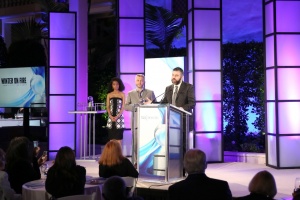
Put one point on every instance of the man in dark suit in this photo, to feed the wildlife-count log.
(180, 94)
(197, 185)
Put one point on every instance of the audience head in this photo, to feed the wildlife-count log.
(194, 161)
(114, 188)
(119, 82)
(263, 183)
(65, 158)
(2, 160)
(112, 154)
(19, 149)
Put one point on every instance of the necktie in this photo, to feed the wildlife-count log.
(174, 95)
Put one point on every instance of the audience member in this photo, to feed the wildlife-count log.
(65, 178)
(6, 192)
(296, 194)
(114, 188)
(113, 163)
(19, 163)
(261, 187)
(197, 185)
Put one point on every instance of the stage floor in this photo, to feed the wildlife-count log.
(238, 175)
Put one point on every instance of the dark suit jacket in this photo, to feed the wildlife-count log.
(185, 96)
(199, 186)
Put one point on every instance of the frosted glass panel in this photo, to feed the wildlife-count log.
(288, 50)
(271, 117)
(272, 154)
(289, 117)
(270, 79)
(190, 27)
(62, 81)
(287, 16)
(62, 25)
(132, 65)
(132, 31)
(289, 151)
(61, 135)
(190, 4)
(270, 51)
(191, 79)
(269, 21)
(62, 53)
(127, 143)
(207, 4)
(190, 55)
(288, 84)
(208, 85)
(207, 55)
(59, 108)
(211, 144)
(133, 9)
(207, 24)
(208, 117)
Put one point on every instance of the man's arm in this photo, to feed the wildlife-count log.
(190, 99)
(128, 104)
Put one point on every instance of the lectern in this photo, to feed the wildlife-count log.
(158, 131)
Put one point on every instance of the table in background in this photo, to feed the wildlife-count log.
(35, 190)
(87, 116)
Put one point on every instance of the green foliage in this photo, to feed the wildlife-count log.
(243, 86)
(162, 27)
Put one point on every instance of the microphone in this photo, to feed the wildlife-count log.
(154, 100)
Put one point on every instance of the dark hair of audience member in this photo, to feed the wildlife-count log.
(18, 149)
(112, 154)
(263, 183)
(114, 188)
(194, 161)
(2, 159)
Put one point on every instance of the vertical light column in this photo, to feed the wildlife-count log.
(62, 81)
(131, 52)
(282, 62)
(205, 73)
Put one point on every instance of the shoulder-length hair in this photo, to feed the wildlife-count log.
(112, 154)
(121, 85)
(18, 149)
(263, 183)
(65, 158)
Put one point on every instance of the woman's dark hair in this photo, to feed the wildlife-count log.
(65, 158)
(121, 85)
(18, 149)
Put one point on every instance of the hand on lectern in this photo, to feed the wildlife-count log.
(147, 101)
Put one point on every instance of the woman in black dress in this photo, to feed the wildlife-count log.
(115, 102)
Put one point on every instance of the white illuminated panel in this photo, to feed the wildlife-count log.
(62, 53)
(205, 18)
(270, 51)
(288, 50)
(63, 80)
(131, 59)
(207, 4)
(272, 150)
(62, 25)
(270, 79)
(287, 16)
(130, 35)
(59, 108)
(269, 14)
(208, 55)
(210, 144)
(271, 117)
(288, 145)
(211, 90)
(288, 77)
(289, 117)
(208, 117)
(61, 135)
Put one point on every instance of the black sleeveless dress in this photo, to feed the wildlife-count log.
(115, 129)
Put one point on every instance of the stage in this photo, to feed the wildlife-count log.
(237, 174)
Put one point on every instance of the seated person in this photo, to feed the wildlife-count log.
(65, 178)
(113, 163)
(6, 192)
(20, 166)
(114, 188)
(261, 187)
(197, 185)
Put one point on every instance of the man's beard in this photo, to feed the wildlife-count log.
(175, 82)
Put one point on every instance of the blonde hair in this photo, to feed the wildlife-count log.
(263, 183)
(140, 75)
(112, 154)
